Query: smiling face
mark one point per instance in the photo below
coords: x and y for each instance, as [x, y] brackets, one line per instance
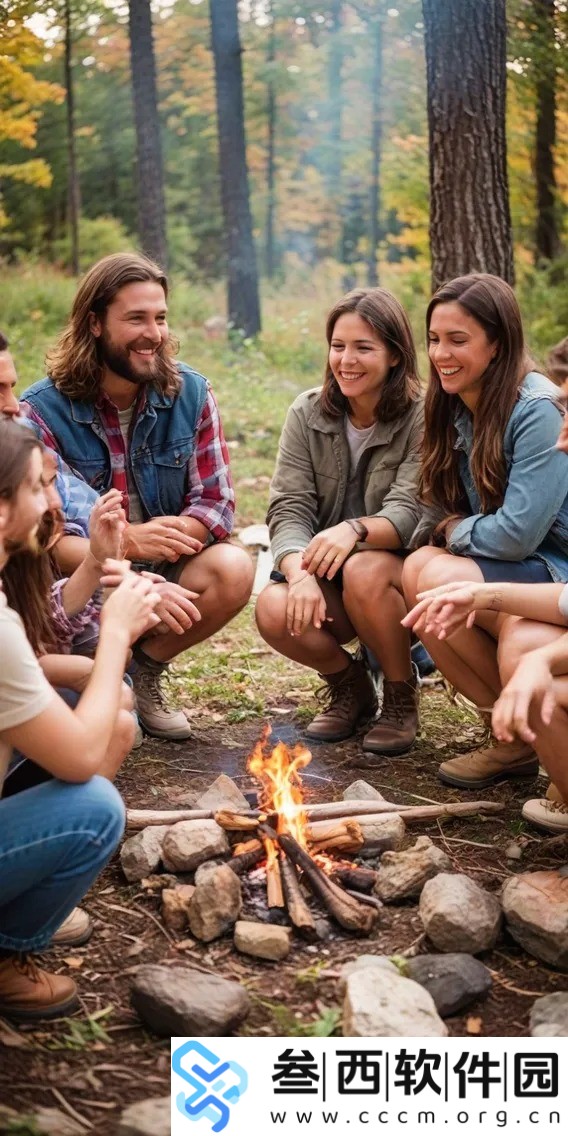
[359, 359]
[133, 333]
[459, 351]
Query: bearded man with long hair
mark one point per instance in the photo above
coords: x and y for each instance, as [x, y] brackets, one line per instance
[123, 414]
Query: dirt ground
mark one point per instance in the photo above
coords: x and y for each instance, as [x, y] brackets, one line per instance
[102, 1059]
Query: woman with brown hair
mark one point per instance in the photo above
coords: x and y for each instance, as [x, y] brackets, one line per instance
[497, 491]
[343, 506]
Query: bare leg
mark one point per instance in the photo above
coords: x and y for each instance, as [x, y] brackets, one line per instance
[320, 648]
[517, 639]
[374, 602]
[222, 575]
[469, 658]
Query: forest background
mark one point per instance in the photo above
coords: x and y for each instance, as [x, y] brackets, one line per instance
[338, 154]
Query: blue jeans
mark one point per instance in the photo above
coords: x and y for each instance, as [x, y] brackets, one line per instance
[55, 839]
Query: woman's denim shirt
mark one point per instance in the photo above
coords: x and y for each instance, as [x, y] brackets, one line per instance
[533, 519]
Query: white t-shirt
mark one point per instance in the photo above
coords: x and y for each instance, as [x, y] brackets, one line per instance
[357, 439]
[24, 689]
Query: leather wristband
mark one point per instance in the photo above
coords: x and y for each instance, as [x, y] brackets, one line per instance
[359, 528]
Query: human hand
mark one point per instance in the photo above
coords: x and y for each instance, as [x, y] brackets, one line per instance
[163, 538]
[107, 523]
[175, 609]
[531, 687]
[115, 571]
[442, 611]
[130, 608]
[306, 604]
[327, 551]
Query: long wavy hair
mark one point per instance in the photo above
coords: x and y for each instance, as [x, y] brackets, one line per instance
[492, 303]
[388, 319]
[74, 363]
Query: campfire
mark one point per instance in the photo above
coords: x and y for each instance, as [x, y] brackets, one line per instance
[304, 848]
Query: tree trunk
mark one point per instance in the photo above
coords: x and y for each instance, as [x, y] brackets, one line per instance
[150, 176]
[269, 250]
[470, 223]
[547, 240]
[376, 29]
[73, 194]
[334, 164]
[243, 300]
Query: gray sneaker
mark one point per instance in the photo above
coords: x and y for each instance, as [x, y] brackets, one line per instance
[154, 713]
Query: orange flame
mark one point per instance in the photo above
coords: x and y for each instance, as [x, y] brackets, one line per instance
[281, 783]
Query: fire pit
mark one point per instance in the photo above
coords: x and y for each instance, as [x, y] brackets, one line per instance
[300, 848]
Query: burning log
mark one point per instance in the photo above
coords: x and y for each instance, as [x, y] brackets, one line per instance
[236, 822]
[356, 879]
[142, 818]
[298, 910]
[246, 846]
[244, 861]
[274, 889]
[346, 910]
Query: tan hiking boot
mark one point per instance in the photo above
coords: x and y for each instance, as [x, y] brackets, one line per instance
[28, 993]
[351, 698]
[397, 726]
[483, 767]
[156, 717]
[74, 931]
[550, 812]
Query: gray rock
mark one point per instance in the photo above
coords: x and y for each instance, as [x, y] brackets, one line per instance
[453, 980]
[378, 1003]
[150, 1117]
[140, 855]
[179, 1001]
[191, 842]
[364, 962]
[262, 940]
[205, 870]
[535, 905]
[381, 833]
[549, 1016]
[175, 906]
[361, 791]
[403, 874]
[54, 1122]
[223, 794]
[216, 904]
[458, 915]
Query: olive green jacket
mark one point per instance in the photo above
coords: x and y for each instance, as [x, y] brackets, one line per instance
[312, 472]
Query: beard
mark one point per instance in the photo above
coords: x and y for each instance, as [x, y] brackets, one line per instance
[119, 361]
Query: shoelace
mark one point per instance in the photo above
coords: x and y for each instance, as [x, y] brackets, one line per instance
[26, 966]
[337, 697]
[394, 706]
[557, 807]
[149, 683]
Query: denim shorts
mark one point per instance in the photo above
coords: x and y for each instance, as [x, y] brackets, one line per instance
[533, 570]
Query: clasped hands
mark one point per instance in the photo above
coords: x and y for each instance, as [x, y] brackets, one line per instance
[443, 611]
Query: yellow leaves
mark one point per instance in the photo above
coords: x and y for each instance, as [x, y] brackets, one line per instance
[33, 172]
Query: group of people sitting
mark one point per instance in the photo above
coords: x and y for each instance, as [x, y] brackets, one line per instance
[393, 517]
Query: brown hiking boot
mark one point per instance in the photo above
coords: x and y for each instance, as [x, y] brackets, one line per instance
[397, 726]
[28, 993]
[351, 698]
[487, 766]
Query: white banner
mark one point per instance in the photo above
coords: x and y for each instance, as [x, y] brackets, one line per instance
[251, 1086]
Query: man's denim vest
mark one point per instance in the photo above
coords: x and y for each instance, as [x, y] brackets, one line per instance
[162, 440]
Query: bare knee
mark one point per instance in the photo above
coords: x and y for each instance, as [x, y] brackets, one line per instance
[366, 573]
[412, 571]
[518, 637]
[270, 611]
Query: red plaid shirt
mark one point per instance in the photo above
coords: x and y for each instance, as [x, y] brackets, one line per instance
[210, 497]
